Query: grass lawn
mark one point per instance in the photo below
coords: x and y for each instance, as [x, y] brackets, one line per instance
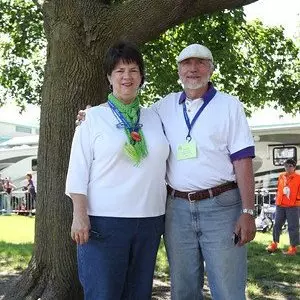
[270, 276]
[16, 242]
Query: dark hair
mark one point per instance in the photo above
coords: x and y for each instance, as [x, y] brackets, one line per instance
[290, 161]
[29, 175]
[124, 51]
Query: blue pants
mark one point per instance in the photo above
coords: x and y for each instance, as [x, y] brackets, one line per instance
[202, 231]
[291, 214]
[119, 259]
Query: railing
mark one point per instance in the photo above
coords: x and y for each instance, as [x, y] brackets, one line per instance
[265, 200]
[19, 202]
[264, 197]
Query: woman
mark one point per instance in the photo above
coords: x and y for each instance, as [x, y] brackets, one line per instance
[116, 182]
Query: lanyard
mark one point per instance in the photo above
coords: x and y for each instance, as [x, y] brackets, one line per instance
[122, 121]
[187, 120]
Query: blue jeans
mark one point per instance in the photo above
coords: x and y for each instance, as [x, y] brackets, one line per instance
[202, 231]
[119, 259]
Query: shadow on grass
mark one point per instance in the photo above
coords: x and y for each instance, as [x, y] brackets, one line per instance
[275, 276]
[273, 273]
[14, 257]
[162, 270]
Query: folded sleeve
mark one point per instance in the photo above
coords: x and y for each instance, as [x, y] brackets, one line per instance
[240, 139]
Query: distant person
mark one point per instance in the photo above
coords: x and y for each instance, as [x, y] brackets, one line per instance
[8, 186]
[30, 188]
[287, 208]
[1, 190]
[1, 183]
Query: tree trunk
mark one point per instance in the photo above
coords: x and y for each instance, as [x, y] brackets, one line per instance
[78, 34]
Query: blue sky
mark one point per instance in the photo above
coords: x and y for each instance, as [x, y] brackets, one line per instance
[275, 13]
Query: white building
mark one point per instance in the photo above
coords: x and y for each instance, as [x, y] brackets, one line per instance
[9, 130]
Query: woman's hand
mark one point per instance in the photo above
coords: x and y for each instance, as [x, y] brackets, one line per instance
[80, 228]
[81, 222]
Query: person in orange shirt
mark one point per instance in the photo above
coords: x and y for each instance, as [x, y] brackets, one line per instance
[287, 207]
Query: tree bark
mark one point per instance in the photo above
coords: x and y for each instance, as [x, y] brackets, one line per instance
[79, 33]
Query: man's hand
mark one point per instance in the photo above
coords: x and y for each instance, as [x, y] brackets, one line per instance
[81, 115]
[245, 228]
[80, 228]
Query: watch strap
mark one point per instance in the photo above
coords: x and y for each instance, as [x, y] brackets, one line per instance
[248, 211]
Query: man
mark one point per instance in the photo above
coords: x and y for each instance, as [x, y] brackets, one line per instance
[211, 149]
[287, 208]
[209, 217]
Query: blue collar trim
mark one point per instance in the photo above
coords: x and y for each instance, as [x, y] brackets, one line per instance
[208, 95]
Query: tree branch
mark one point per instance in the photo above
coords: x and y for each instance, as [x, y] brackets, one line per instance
[143, 20]
[136, 20]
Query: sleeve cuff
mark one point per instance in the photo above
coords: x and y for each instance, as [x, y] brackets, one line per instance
[244, 153]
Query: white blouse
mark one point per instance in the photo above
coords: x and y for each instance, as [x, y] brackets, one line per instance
[99, 169]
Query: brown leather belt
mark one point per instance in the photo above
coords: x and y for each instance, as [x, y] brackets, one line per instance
[203, 194]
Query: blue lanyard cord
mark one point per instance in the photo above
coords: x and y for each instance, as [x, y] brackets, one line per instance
[122, 121]
[187, 120]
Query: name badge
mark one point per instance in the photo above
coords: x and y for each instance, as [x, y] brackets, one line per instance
[187, 150]
[286, 191]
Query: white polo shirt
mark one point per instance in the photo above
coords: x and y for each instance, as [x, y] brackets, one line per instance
[99, 169]
[221, 133]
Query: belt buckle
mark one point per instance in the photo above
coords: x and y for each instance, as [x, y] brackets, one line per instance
[189, 196]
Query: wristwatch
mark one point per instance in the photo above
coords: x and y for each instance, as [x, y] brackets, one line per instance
[248, 211]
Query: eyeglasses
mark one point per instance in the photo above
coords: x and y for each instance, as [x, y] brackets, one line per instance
[289, 166]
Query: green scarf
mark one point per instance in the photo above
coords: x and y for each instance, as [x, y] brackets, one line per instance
[135, 150]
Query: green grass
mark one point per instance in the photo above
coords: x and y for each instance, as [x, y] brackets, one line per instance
[16, 242]
[270, 276]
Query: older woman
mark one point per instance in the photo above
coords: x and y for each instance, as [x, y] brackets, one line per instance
[116, 182]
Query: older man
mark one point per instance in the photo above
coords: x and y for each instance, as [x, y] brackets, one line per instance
[210, 180]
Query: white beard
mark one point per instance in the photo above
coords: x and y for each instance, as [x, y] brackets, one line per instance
[195, 85]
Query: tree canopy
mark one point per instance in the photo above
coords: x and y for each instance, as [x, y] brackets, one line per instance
[22, 48]
[254, 62]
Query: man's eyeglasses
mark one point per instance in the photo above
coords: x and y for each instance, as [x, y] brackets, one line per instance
[289, 166]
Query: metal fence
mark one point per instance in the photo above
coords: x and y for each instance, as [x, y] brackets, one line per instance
[21, 202]
[18, 202]
[265, 200]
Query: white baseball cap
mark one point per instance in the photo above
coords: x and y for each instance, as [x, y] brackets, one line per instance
[194, 50]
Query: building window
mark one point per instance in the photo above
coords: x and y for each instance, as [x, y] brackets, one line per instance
[4, 139]
[23, 129]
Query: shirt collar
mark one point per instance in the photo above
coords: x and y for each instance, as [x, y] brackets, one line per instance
[208, 95]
